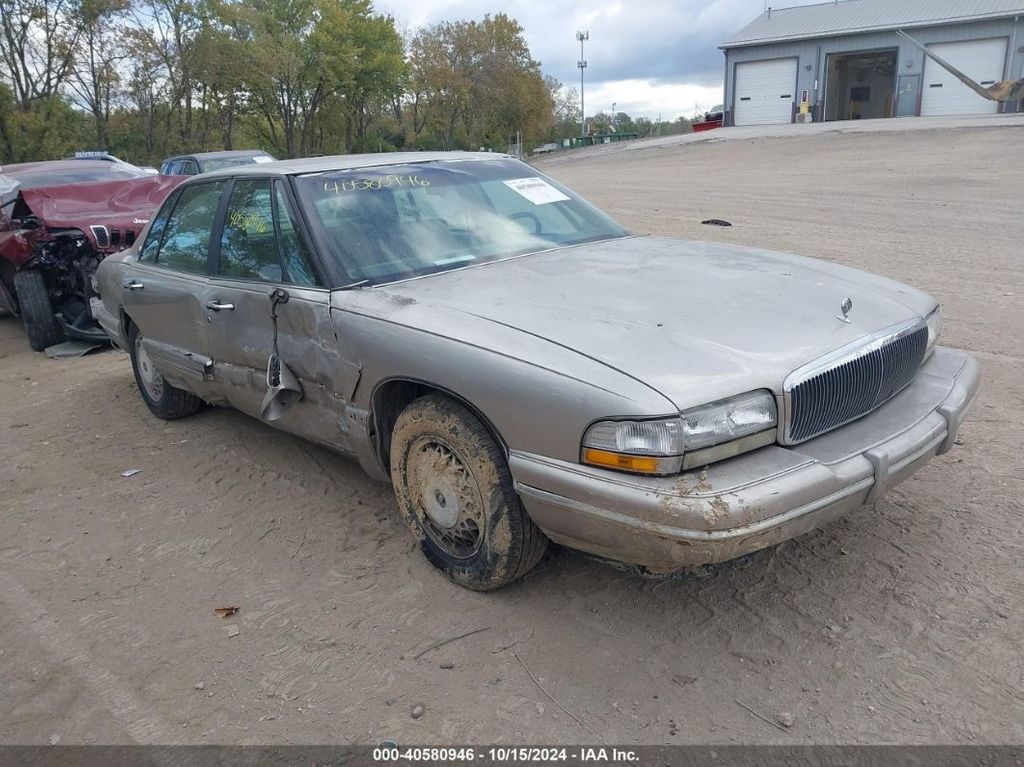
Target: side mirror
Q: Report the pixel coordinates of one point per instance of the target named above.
(283, 389)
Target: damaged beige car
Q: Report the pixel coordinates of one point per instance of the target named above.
(522, 369)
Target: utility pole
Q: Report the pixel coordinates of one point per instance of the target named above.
(582, 64)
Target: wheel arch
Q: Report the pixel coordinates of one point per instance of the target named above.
(124, 320)
(392, 395)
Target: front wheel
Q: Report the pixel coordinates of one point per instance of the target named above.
(41, 324)
(455, 492)
(162, 399)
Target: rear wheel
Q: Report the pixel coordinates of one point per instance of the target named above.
(163, 400)
(455, 491)
(41, 324)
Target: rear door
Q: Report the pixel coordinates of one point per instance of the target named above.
(164, 292)
(261, 247)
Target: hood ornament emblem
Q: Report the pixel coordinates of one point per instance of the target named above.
(845, 308)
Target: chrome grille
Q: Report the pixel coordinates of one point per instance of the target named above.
(852, 382)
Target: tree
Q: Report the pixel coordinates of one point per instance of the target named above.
(95, 72)
(39, 41)
(475, 83)
(567, 113)
(167, 31)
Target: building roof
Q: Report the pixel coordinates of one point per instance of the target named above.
(847, 17)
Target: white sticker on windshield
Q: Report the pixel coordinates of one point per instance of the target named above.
(536, 190)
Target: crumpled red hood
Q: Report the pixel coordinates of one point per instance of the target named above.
(123, 205)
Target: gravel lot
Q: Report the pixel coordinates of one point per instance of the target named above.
(901, 623)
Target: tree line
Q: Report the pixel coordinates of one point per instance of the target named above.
(145, 79)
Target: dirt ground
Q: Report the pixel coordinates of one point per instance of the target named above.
(902, 623)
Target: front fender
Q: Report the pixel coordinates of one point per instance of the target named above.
(537, 396)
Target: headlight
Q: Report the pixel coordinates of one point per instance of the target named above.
(644, 447)
(728, 420)
(934, 320)
(698, 436)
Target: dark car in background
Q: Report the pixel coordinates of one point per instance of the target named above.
(203, 162)
(58, 220)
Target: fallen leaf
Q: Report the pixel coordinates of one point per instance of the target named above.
(225, 612)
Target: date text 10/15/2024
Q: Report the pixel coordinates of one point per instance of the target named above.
(502, 754)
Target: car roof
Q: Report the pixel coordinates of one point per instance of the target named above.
(224, 155)
(33, 167)
(346, 162)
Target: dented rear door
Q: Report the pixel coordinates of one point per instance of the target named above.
(163, 291)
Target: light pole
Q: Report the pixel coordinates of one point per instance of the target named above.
(582, 64)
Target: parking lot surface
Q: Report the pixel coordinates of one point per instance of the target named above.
(901, 623)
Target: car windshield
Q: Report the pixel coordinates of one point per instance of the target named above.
(229, 162)
(393, 222)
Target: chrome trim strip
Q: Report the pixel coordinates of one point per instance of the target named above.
(723, 450)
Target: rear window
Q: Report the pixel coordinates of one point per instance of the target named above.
(231, 162)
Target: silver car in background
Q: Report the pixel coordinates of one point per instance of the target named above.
(524, 370)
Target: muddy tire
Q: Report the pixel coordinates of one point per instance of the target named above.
(162, 399)
(455, 491)
(41, 324)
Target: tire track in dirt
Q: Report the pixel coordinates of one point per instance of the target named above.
(140, 723)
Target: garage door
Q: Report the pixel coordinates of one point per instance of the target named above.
(981, 60)
(765, 91)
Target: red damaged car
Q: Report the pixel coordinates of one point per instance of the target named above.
(58, 220)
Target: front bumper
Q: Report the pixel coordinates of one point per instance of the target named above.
(755, 500)
(110, 324)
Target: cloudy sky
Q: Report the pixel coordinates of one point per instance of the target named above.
(649, 58)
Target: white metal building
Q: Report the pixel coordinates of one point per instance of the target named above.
(846, 60)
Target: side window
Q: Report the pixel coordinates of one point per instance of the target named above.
(189, 168)
(165, 169)
(297, 263)
(147, 253)
(174, 168)
(248, 246)
(186, 242)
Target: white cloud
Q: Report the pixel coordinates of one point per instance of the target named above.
(656, 56)
(643, 98)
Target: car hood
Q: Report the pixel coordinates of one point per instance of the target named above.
(696, 321)
(125, 205)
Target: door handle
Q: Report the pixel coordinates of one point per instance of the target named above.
(217, 306)
(133, 285)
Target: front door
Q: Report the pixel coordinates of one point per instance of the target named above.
(906, 95)
(164, 292)
(261, 248)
